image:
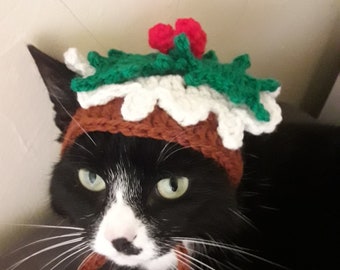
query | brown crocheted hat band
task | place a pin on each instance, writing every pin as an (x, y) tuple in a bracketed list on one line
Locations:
[(158, 125)]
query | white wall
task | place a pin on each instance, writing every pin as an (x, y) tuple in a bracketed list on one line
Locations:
[(330, 113), (285, 38)]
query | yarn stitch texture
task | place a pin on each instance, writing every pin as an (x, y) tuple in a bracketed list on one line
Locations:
[(157, 125), (161, 36), (183, 89), (187, 105), (179, 94), (229, 79)]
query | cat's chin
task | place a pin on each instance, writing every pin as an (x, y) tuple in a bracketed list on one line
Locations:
[(167, 261)]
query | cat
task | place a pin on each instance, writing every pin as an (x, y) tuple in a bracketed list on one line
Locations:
[(151, 195)]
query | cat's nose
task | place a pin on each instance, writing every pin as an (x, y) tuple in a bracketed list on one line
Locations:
[(125, 246)]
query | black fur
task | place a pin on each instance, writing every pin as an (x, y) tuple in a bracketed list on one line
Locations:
[(200, 211), (295, 175), (289, 191), (57, 78)]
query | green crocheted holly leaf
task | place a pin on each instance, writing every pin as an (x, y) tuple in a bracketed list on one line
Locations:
[(229, 79)]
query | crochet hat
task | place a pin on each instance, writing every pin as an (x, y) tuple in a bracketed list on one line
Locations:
[(179, 94)]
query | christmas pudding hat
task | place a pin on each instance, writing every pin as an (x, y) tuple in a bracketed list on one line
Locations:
[(179, 94)]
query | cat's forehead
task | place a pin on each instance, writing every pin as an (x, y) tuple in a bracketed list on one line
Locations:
[(122, 151), (117, 156)]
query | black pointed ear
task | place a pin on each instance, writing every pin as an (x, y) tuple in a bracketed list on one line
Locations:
[(57, 78)]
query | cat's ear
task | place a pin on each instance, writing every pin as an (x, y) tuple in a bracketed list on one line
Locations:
[(57, 78)]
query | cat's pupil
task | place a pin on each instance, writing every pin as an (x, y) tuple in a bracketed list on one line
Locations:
[(92, 177), (173, 184)]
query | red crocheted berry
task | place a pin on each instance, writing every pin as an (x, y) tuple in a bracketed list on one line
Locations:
[(161, 36), (195, 34)]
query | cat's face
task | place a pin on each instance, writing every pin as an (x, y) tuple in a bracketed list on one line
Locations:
[(136, 200), (135, 197)]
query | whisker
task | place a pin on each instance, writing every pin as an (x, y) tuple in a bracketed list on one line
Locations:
[(231, 245), (244, 218), (184, 260), (233, 266), (166, 150), (209, 257), (230, 248), (175, 151), (78, 124), (81, 146), (87, 216), (252, 155), (181, 260), (69, 256), (62, 254), (269, 208), (205, 241), (162, 152), (44, 226), (14, 266), (46, 239), (193, 259), (79, 255), (174, 266)]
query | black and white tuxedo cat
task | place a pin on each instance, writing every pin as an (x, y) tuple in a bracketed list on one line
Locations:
[(284, 214)]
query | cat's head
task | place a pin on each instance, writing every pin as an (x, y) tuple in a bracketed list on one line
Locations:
[(135, 197), (142, 180)]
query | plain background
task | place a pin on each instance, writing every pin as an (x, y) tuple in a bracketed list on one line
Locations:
[(294, 41)]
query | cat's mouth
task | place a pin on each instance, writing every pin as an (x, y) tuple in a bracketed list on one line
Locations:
[(125, 253), (96, 261)]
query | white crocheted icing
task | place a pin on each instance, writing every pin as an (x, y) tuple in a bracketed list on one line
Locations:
[(187, 105), (78, 63)]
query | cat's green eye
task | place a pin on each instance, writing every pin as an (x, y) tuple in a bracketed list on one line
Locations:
[(172, 188), (91, 181)]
